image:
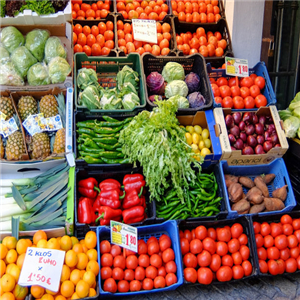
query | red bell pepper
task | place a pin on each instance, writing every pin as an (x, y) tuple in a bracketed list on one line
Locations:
[(133, 182), (109, 198), (130, 178), (132, 199), (107, 213), (107, 222), (88, 187), (133, 214), (86, 212), (109, 184)]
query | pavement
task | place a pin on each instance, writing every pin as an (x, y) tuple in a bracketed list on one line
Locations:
[(263, 288)]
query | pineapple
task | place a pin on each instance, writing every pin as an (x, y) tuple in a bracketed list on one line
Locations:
[(59, 141), (6, 107), (15, 146), (1, 148), (49, 106), (27, 106), (40, 145)]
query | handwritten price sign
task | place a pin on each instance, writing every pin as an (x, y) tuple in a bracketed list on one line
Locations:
[(236, 67), (123, 235), (42, 267), (144, 30)]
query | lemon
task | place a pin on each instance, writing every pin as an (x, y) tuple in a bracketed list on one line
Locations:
[(200, 138), (207, 143), (190, 129), (205, 151), (194, 147), (201, 145), (198, 129), (205, 134), (188, 137), (195, 137)]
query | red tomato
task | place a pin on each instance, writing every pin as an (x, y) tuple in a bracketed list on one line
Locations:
[(105, 247), (268, 241), (249, 102), (233, 245), (296, 233), (298, 262), (273, 267), (265, 229), (292, 241), (190, 275), (224, 235), (190, 260), (135, 286), (281, 265), (263, 266), (171, 278), (238, 272), (209, 244), (164, 242), (131, 262), (276, 229), (204, 259), (225, 91), (117, 274), (222, 81), (215, 90), (232, 82), (245, 92), (260, 100), (281, 242), (247, 82), (256, 227), (227, 260), (205, 276), (153, 248), (187, 234), (159, 282), (128, 275), (168, 255), (236, 230), (215, 262), (286, 219), (287, 229), (144, 260), (155, 261), (201, 232), (139, 273), (185, 245), (147, 284), (195, 246), (238, 102), (221, 248), (259, 240), (273, 253), (151, 272), (106, 272), (237, 258), (123, 286), (106, 260), (247, 267), (254, 90), (235, 91), (162, 271), (285, 254), (291, 265), (110, 285), (224, 274), (119, 261), (295, 252), (211, 232), (262, 253), (171, 267), (152, 239), (142, 247), (245, 252), (260, 82), (296, 224), (227, 102), (243, 239)]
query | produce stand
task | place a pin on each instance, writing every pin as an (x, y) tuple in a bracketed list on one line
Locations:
[(117, 150)]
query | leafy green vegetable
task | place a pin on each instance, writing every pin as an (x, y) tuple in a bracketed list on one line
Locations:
[(35, 42), (41, 7), (59, 69), (89, 97), (176, 87), (110, 100), (86, 77), (296, 99), (130, 101), (23, 60), (296, 112), (126, 75), (11, 38), (4, 54), (291, 126), (2, 8), (181, 102), (9, 74), (284, 114), (294, 105), (38, 74), (173, 71), (54, 48), (158, 142)]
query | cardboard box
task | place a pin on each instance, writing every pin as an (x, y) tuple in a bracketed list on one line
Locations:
[(235, 157), (27, 171), (206, 120), (65, 34), (32, 18)]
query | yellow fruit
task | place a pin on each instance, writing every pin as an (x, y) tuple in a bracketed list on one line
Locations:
[(75, 276), (39, 235), (74, 240), (194, 147), (189, 129), (15, 272), (65, 243), (22, 246), (82, 289), (11, 243), (67, 288), (3, 251), (65, 274), (71, 258), (74, 296), (11, 256), (8, 282), (42, 244), (7, 296), (20, 260), (82, 261), (189, 138), (2, 267), (20, 292), (201, 145), (37, 291), (205, 134), (89, 277), (195, 138), (92, 254), (92, 292), (207, 143), (60, 297), (53, 244), (9, 267), (93, 266), (47, 297), (205, 151), (198, 129), (200, 138), (90, 241)]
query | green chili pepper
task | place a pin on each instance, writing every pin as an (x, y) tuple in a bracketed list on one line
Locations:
[(210, 208), (87, 124), (84, 135), (108, 147), (95, 155), (113, 135), (107, 129), (171, 195), (107, 140), (112, 154), (90, 150), (127, 120), (92, 160), (109, 119), (90, 143), (86, 131), (119, 149), (116, 160)]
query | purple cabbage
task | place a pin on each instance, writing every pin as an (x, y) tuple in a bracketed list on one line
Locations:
[(196, 100), (192, 80), (155, 82)]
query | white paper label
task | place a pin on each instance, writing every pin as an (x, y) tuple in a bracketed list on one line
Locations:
[(144, 30), (236, 67)]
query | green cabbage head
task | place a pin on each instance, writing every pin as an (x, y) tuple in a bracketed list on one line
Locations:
[(38, 75), (176, 87), (11, 38), (173, 71), (9, 74), (54, 48), (59, 69), (291, 126), (35, 42), (4, 54)]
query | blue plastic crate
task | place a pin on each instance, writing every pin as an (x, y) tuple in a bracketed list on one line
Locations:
[(260, 70), (276, 167), (145, 232)]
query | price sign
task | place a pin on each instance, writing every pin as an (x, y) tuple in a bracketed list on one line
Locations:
[(144, 30), (42, 267), (123, 235), (236, 67)]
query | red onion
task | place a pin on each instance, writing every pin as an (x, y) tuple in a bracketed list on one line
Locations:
[(266, 135), (267, 146), (238, 144), (242, 126), (271, 128), (259, 128), (248, 117), (248, 151), (249, 129), (237, 117), (232, 148), (259, 149), (229, 121), (269, 120), (277, 145), (232, 138), (273, 139), (255, 119), (262, 120), (243, 136), (260, 139), (235, 131), (251, 141)]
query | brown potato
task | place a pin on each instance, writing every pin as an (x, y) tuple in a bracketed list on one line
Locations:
[(268, 178), (229, 179), (280, 193), (242, 206), (273, 204), (254, 195), (262, 186), (246, 182), (255, 209), (235, 192)]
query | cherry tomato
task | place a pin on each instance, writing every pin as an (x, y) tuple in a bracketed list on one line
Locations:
[(291, 265), (106, 272), (190, 260), (153, 248), (233, 245), (155, 261), (245, 252), (243, 239), (119, 261), (268, 241), (139, 273), (117, 274), (247, 267), (281, 242), (147, 284), (123, 286), (262, 253), (168, 255), (190, 275), (263, 266), (221, 248), (171, 267), (128, 275), (238, 272), (224, 235), (204, 259), (227, 260), (135, 286), (196, 246), (209, 244), (159, 282), (205, 276), (215, 262), (201, 232), (105, 247), (285, 254), (110, 285), (162, 271), (171, 278), (185, 245), (273, 253), (224, 274), (131, 262), (151, 272)]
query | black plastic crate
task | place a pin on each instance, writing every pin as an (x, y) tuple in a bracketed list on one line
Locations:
[(273, 218), (246, 223), (220, 193), (221, 26), (193, 63), (80, 174), (167, 19), (217, 62), (112, 7)]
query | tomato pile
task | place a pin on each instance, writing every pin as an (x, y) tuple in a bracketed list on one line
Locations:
[(210, 254), (150, 10), (153, 267), (205, 43), (95, 40), (244, 93), (278, 245), (198, 11), (127, 43), (84, 11)]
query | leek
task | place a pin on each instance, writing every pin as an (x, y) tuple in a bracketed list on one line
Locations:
[(18, 182), (4, 190), (10, 210), (9, 200)]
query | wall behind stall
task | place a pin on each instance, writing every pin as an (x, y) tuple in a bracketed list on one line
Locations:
[(245, 22)]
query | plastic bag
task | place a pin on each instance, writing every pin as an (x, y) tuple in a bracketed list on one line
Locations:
[(4, 54), (38, 74), (54, 48), (59, 69), (35, 42), (9, 74), (11, 38)]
